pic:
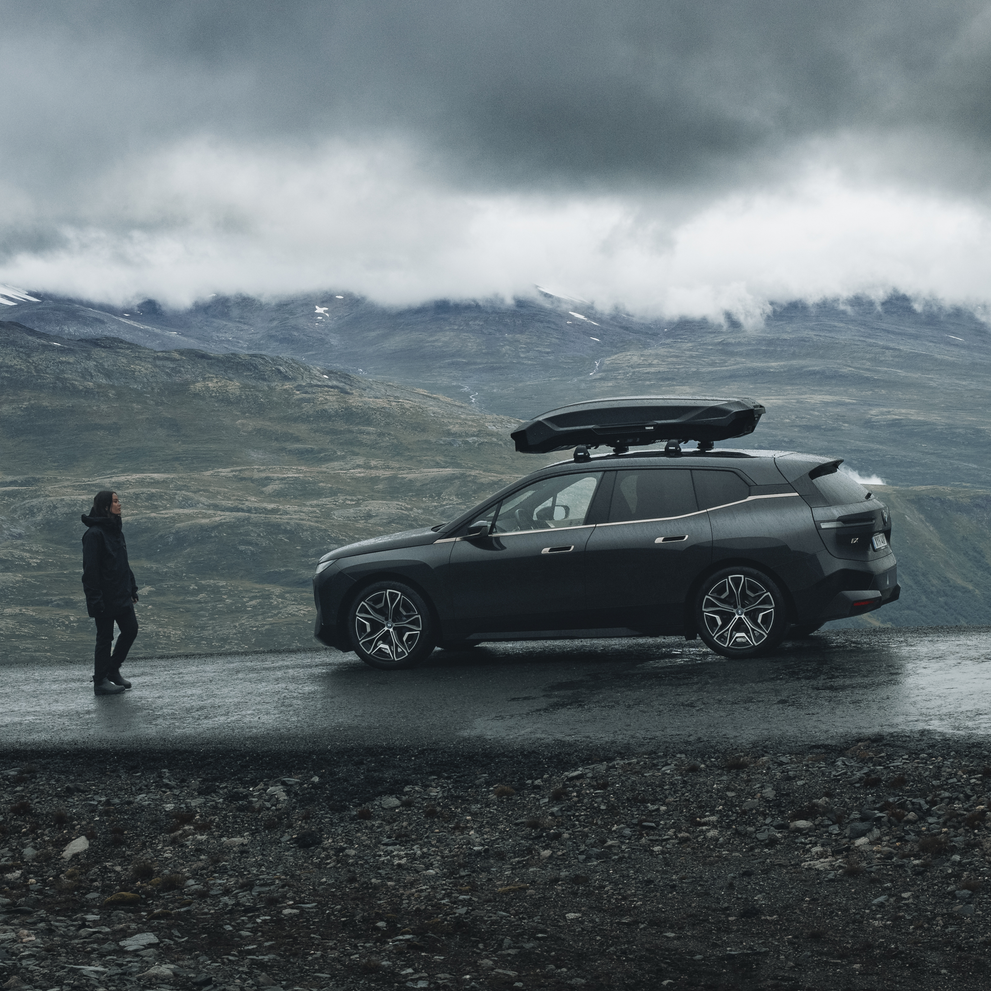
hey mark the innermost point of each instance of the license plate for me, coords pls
(879, 541)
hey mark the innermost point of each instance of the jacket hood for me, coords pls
(105, 521)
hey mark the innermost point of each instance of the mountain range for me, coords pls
(246, 437)
(900, 390)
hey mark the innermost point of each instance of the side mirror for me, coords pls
(478, 530)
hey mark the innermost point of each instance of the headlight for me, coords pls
(324, 565)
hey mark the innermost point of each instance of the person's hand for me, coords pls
(134, 598)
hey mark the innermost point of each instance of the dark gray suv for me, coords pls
(740, 548)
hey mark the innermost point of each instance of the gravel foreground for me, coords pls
(861, 866)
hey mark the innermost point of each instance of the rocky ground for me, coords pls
(862, 867)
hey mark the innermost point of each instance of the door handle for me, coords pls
(558, 550)
(671, 540)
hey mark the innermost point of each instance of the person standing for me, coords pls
(111, 591)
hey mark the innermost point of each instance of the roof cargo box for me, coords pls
(633, 422)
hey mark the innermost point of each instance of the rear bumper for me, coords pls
(857, 601)
(846, 592)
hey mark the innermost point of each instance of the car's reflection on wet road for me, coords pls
(624, 693)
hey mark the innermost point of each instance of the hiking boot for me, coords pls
(107, 687)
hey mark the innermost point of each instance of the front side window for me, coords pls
(652, 494)
(551, 503)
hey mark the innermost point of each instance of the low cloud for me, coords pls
(373, 218)
(862, 479)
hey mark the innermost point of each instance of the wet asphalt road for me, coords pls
(621, 694)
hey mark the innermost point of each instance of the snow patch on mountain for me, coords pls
(581, 316)
(9, 296)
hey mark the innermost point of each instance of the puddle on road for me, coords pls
(827, 686)
(640, 692)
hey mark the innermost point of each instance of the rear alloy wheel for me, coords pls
(740, 612)
(390, 626)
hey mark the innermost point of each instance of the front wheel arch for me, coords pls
(347, 601)
(390, 623)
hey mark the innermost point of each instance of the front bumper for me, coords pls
(321, 630)
(329, 589)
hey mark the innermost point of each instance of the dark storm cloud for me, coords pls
(529, 92)
(673, 155)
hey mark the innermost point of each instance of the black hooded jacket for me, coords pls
(107, 577)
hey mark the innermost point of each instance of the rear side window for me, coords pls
(839, 489)
(651, 494)
(719, 488)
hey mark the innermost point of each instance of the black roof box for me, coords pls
(635, 421)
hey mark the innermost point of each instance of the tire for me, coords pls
(390, 626)
(740, 612)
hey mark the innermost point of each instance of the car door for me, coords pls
(527, 573)
(652, 545)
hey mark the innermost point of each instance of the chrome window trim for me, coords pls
(545, 532)
(521, 533)
(656, 519)
(711, 509)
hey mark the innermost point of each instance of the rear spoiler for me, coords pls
(825, 469)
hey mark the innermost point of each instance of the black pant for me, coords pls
(103, 663)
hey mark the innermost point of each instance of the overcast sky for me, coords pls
(671, 156)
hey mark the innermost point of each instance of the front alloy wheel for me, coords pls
(740, 613)
(390, 626)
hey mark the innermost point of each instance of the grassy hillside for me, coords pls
(235, 472)
(942, 539)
